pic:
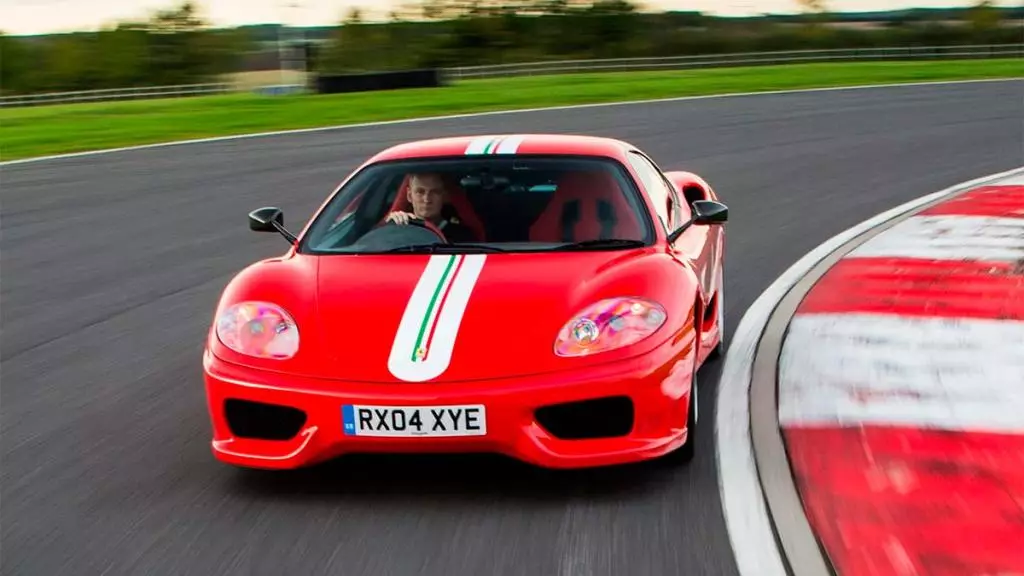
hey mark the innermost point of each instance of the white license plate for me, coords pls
(414, 421)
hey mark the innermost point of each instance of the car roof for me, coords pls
(510, 143)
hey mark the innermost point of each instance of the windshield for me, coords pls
(512, 204)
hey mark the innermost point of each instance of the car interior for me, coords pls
(534, 204)
(543, 206)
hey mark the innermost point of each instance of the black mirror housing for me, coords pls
(705, 213)
(269, 219)
(709, 212)
(263, 219)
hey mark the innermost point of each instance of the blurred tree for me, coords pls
(815, 12)
(175, 53)
(183, 18)
(123, 56)
(16, 69)
(813, 6)
(177, 45)
(443, 9)
(352, 47)
(552, 6)
(984, 16)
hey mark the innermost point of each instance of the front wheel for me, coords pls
(685, 453)
(719, 348)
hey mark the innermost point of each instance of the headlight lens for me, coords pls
(609, 324)
(258, 329)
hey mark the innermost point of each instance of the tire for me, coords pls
(685, 453)
(719, 348)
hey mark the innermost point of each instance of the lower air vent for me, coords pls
(262, 421)
(588, 419)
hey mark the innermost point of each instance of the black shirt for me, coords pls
(454, 230)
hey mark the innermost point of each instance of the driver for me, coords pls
(427, 195)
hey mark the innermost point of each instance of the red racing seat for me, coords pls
(586, 206)
(456, 198)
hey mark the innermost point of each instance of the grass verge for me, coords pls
(37, 131)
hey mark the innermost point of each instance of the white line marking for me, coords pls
(938, 373)
(1019, 180)
(746, 517)
(496, 113)
(983, 238)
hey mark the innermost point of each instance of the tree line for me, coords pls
(176, 46)
(467, 33)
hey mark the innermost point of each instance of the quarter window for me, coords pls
(661, 193)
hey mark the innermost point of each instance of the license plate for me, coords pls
(414, 421)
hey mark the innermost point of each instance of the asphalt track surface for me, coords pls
(112, 265)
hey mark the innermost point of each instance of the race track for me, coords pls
(112, 265)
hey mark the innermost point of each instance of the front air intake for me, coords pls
(588, 419)
(261, 421)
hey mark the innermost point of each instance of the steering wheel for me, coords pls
(423, 224)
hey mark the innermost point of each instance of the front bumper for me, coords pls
(638, 407)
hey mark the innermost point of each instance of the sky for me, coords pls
(45, 16)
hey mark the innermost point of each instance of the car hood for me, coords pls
(448, 318)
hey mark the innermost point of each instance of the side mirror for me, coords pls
(705, 213)
(709, 212)
(269, 219)
(263, 219)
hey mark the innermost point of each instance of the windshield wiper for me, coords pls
(439, 248)
(600, 244)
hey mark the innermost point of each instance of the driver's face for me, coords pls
(426, 194)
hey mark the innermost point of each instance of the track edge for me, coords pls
(766, 524)
(458, 116)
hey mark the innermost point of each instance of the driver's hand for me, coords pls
(400, 218)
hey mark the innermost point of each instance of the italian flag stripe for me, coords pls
(440, 306)
(426, 334)
(429, 320)
(479, 145)
(493, 146)
(489, 145)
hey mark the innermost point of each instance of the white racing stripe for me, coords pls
(477, 145)
(945, 373)
(510, 145)
(426, 335)
(489, 145)
(949, 238)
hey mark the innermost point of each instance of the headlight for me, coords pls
(258, 329)
(609, 324)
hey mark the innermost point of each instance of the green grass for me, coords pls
(36, 131)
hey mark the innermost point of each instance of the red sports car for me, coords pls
(547, 297)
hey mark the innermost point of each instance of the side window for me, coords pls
(661, 193)
(679, 207)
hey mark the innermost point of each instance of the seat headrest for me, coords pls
(586, 184)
